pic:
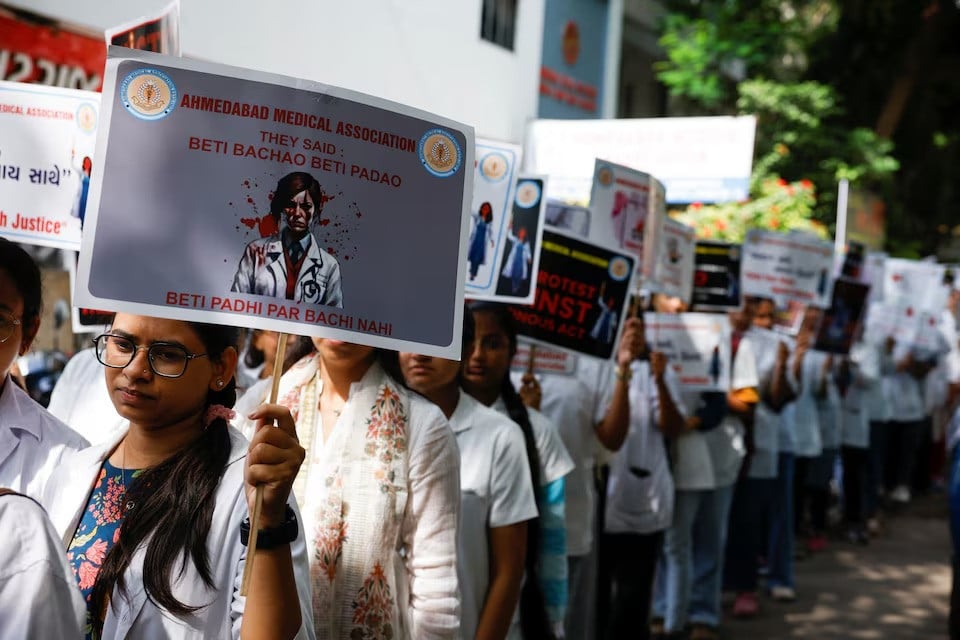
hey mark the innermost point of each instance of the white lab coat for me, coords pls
(136, 616)
(263, 272)
(32, 441)
(80, 398)
(37, 587)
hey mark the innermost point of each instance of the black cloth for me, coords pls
(628, 565)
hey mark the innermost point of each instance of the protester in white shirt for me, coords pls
(640, 497)
(380, 491)
(708, 458)
(32, 441)
(486, 377)
(153, 518)
(815, 441)
(592, 416)
(756, 491)
(904, 388)
(497, 498)
(878, 412)
(40, 595)
(859, 372)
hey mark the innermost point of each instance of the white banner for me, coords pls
(46, 156)
(792, 267)
(697, 346)
(698, 159)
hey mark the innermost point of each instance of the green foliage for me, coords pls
(798, 136)
(712, 45)
(777, 205)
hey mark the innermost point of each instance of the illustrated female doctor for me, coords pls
(290, 264)
(32, 441)
(154, 519)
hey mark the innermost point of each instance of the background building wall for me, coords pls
(424, 53)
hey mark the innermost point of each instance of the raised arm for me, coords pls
(273, 460)
(670, 420)
(612, 430)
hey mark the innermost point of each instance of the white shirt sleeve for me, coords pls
(512, 497)
(555, 462)
(38, 587)
(745, 367)
(429, 531)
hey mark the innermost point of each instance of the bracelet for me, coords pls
(624, 373)
(273, 537)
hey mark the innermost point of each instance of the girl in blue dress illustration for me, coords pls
(516, 266)
(482, 231)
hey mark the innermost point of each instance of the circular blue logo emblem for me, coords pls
(149, 94)
(494, 166)
(619, 269)
(440, 153)
(528, 193)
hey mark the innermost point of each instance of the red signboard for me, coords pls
(40, 50)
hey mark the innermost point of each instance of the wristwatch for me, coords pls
(273, 537)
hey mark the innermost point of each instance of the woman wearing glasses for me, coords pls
(154, 519)
(32, 441)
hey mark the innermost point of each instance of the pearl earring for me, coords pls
(219, 382)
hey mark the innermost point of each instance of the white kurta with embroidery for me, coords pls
(380, 500)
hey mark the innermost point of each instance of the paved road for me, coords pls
(897, 588)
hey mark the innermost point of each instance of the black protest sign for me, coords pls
(716, 275)
(581, 296)
(839, 323)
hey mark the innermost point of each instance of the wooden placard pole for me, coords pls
(258, 500)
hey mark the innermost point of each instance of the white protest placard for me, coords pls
(887, 321)
(912, 284)
(792, 267)
(276, 203)
(697, 346)
(668, 262)
(46, 153)
(704, 159)
(545, 360)
(494, 180)
(622, 201)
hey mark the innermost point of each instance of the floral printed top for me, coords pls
(98, 531)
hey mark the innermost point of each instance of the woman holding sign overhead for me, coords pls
(156, 517)
(380, 494)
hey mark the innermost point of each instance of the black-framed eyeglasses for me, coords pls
(167, 360)
(8, 325)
